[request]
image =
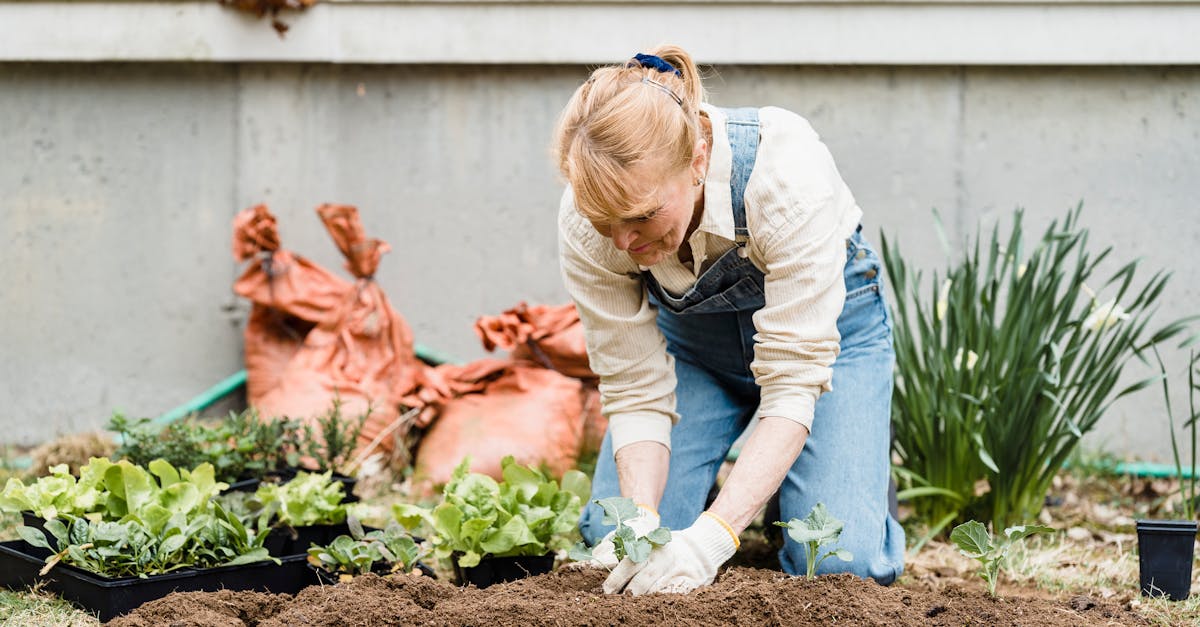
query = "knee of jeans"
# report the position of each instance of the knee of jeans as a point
(590, 526)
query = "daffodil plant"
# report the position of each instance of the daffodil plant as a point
(1004, 360)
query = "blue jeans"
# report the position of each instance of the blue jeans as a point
(845, 462)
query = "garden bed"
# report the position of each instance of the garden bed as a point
(742, 596)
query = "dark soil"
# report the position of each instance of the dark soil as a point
(741, 596)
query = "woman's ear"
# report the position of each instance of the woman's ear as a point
(700, 158)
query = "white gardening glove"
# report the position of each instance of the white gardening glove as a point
(645, 522)
(688, 561)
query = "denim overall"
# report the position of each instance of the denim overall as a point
(710, 332)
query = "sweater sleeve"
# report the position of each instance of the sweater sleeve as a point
(625, 347)
(805, 213)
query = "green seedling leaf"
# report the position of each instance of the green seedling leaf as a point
(356, 528)
(659, 536)
(617, 509)
(637, 550)
(1020, 532)
(813, 531)
(626, 541)
(580, 553)
(972, 539)
(34, 536)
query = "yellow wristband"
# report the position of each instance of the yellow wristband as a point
(648, 508)
(736, 542)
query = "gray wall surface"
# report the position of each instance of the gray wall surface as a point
(119, 183)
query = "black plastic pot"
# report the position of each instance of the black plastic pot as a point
(493, 570)
(1165, 551)
(110, 597)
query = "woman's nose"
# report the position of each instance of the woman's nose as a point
(623, 236)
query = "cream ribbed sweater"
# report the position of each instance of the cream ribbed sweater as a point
(799, 213)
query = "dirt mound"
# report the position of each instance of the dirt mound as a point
(742, 596)
(206, 609)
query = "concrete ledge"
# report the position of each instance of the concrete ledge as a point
(1053, 32)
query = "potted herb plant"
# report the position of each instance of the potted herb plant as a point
(492, 531)
(242, 447)
(1166, 547)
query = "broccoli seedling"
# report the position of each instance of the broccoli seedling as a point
(815, 530)
(974, 541)
(626, 541)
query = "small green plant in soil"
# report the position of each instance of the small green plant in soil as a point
(626, 541)
(814, 531)
(526, 514)
(974, 541)
(390, 549)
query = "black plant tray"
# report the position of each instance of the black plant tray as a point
(492, 570)
(243, 485)
(29, 519)
(295, 540)
(109, 597)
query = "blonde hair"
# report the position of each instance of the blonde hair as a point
(626, 116)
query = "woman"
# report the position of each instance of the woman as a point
(716, 260)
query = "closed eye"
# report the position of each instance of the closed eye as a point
(646, 217)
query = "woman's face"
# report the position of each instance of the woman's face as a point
(657, 234)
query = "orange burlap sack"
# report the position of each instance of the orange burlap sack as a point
(289, 296)
(354, 346)
(529, 412)
(550, 336)
(547, 335)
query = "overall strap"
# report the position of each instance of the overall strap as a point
(741, 125)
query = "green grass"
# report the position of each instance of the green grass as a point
(40, 608)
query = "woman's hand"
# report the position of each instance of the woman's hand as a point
(688, 561)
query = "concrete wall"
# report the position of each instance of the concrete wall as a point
(120, 181)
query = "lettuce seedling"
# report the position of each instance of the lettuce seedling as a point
(626, 541)
(382, 550)
(974, 541)
(309, 499)
(526, 514)
(814, 531)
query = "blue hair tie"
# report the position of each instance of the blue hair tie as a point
(653, 62)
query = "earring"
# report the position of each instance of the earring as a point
(699, 181)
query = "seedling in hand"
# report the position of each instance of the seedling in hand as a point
(814, 531)
(974, 541)
(626, 541)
